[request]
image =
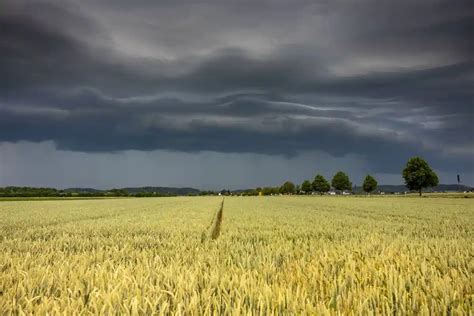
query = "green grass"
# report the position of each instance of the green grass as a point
(274, 255)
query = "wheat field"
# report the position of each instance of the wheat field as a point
(260, 256)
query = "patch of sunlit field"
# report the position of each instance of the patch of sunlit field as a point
(266, 255)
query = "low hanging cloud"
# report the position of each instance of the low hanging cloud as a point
(275, 79)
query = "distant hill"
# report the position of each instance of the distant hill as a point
(452, 187)
(81, 190)
(135, 190)
(162, 190)
(13, 191)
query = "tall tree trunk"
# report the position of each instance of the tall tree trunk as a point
(420, 191)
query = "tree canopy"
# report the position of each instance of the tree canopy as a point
(288, 188)
(341, 181)
(418, 175)
(306, 186)
(370, 184)
(320, 184)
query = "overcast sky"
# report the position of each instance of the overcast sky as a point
(234, 94)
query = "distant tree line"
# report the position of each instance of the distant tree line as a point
(319, 185)
(28, 192)
(13, 191)
(417, 174)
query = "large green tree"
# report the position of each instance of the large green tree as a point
(288, 188)
(341, 181)
(418, 175)
(320, 184)
(370, 184)
(306, 186)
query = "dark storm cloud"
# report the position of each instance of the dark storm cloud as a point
(330, 77)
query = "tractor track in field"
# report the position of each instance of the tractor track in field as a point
(214, 229)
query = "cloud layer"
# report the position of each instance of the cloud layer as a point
(379, 80)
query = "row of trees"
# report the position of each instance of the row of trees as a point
(417, 174)
(340, 182)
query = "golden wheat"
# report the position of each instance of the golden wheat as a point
(274, 255)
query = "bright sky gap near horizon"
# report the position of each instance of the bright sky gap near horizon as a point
(233, 94)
